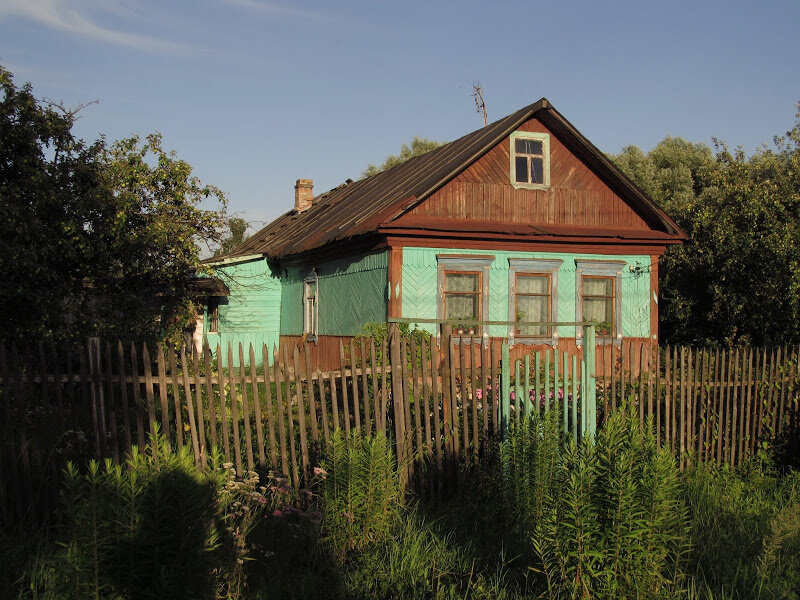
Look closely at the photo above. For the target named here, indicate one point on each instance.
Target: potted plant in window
(603, 328)
(468, 325)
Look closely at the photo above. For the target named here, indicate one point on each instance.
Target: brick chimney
(303, 194)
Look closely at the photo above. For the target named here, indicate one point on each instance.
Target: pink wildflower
(277, 513)
(320, 472)
(479, 394)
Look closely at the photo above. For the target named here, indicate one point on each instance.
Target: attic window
(530, 160)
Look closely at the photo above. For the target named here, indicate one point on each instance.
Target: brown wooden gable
(483, 193)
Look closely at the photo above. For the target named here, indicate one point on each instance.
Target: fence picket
(345, 406)
(290, 379)
(162, 393)
(301, 416)
(262, 459)
(223, 409)
(273, 451)
(189, 409)
(362, 351)
(212, 413)
(176, 398)
(354, 387)
(281, 401)
(109, 391)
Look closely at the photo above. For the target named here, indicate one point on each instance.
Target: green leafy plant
(604, 517)
(152, 527)
(362, 496)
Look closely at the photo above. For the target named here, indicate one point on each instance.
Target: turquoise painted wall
(352, 292)
(420, 294)
(251, 314)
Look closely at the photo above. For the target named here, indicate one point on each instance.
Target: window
(464, 288)
(533, 303)
(213, 314)
(598, 303)
(311, 305)
(599, 285)
(462, 295)
(533, 296)
(530, 160)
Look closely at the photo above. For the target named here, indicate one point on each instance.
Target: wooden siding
(577, 196)
(251, 313)
(420, 297)
(352, 292)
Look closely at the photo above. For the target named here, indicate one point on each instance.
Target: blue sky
(258, 94)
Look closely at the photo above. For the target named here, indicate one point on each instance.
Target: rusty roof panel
(359, 207)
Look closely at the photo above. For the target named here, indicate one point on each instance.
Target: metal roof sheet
(359, 207)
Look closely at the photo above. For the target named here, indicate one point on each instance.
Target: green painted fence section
(549, 387)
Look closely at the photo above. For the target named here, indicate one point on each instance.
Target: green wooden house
(522, 220)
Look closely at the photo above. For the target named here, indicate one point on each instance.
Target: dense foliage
(94, 239)
(416, 147)
(737, 278)
(545, 518)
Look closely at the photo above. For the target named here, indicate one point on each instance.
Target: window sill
(601, 341)
(533, 341)
(530, 186)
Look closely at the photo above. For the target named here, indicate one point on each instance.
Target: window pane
(598, 286)
(528, 146)
(537, 170)
(461, 282)
(533, 308)
(599, 310)
(532, 284)
(461, 307)
(521, 169)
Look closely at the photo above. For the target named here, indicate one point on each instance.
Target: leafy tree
(146, 240)
(737, 278)
(237, 233)
(48, 182)
(94, 239)
(417, 147)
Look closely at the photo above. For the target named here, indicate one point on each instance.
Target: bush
(362, 495)
(745, 530)
(154, 527)
(605, 517)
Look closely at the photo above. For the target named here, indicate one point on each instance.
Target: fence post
(397, 399)
(505, 391)
(589, 391)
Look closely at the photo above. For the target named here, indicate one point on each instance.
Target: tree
(48, 182)
(237, 233)
(737, 278)
(417, 147)
(94, 239)
(147, 239)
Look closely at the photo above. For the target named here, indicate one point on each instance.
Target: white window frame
(468, 264)
(533, 266)
(311, 306)
(599, 268)
(212, 314)
(530, 135)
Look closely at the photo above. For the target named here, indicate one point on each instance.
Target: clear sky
(257, 94)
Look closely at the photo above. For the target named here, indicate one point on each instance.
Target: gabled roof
(359, 208)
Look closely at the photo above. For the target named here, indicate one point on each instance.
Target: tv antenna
(480, 105)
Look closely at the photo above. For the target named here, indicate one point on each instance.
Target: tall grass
(611, 517)
(154, 527)
(604, 518)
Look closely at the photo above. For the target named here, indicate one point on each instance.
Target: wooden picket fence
(445, 402)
